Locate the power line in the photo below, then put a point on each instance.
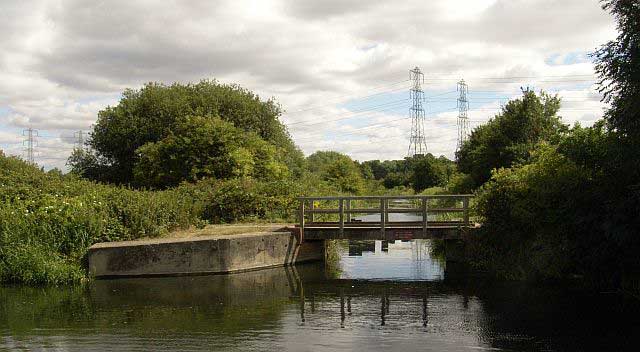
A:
(432, 98)
(449, 109)
(448, 76)
(356, 131)
(351, 96)
(360, 114)
(386, 123)
(368, 109)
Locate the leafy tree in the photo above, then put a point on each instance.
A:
(148, 115)
(203, 147)
(419, 172)
(573, 209)
(460, 183)
(529, 217)
(619, 68)
(366, 171)
(381, 169)
(396, 179)
(510, 135)
(427, 171)
(337, 169)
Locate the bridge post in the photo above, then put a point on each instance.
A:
(383, 214)
(313, 206)
(386, 210)
(424, 216)
(465, 205)
(301, 216)
(341, 211)
(348, 205)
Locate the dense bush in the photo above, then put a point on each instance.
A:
(245, 199)
(509, 136)
(199, 148)
(572, 207)
(418, 172)
(156, 111)
(527, 215)
(570, 211)
(48, 221)
(338, 170)
(460, 183)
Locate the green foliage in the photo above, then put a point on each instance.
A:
(418, 172)
(460, 183)
(509, 136)
(573, 207)
(338, 170)
(48, 221)
(571, 211)
(200, 148)
(153, 113)
(246, 199)
(527, 212)
(427, 172)
(619, 68)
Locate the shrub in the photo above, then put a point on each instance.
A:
(528, 213)
(48, 221)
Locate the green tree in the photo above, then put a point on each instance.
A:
(573, 208)
(206, 147)
(148, 115)
(531, 218)
(419, 172)
(338, 170)
(427, 171)
(618, 65)
(510, 135)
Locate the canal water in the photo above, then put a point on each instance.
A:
(376, 297)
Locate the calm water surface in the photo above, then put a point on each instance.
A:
(393, 297)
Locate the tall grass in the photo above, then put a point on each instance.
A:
(48, 221)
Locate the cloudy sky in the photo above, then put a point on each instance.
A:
(339, 68)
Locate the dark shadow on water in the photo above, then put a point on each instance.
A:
(305, 308)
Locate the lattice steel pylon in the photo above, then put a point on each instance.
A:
(463, 118)
(79, 144)
(417, 140)
(30, 142)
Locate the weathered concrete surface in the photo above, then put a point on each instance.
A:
(201, 255)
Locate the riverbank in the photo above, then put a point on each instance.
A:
(48, 220)
(202, 252)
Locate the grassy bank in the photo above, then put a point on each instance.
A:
(49, 220)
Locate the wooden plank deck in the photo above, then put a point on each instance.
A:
(393, 231)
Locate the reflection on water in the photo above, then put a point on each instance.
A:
(390, 260)
(404, 301)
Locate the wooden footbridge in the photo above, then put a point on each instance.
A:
(385, 217)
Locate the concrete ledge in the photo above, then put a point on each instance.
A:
(200, 255)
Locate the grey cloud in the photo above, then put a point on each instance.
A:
(326, 9)
(61, 59)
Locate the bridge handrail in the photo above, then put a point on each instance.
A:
(344, 209)
(433, 196)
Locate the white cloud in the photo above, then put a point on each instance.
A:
(63, 61)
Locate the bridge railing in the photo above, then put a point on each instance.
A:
(339, 210)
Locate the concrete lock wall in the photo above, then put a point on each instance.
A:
(201, 255)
